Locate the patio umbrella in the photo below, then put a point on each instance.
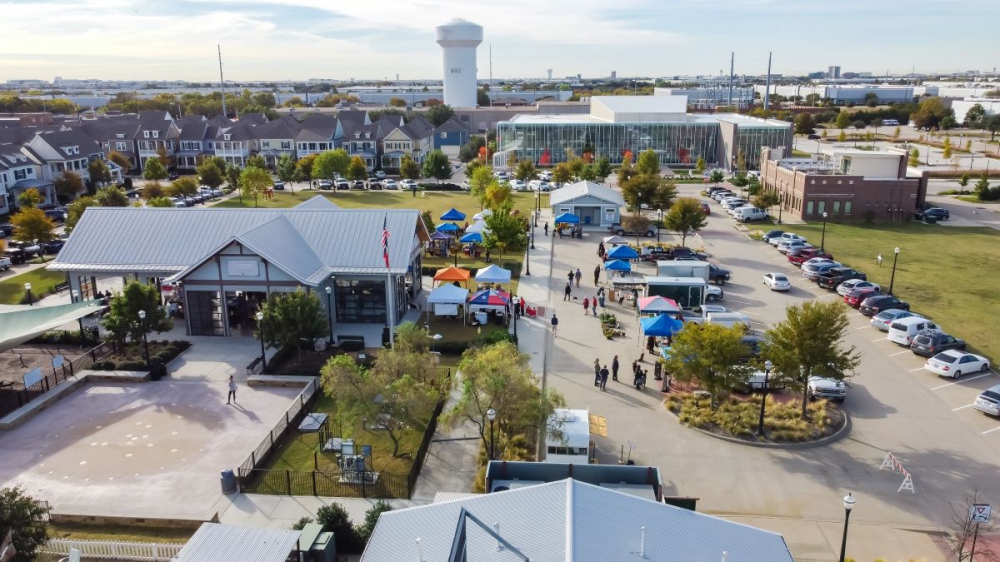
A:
(660, 325)
(472, 238)
(618, 265)
(567, 218)
(658, 304)
(453, 215)
(447, 227)
(623, 253)
(615, 240)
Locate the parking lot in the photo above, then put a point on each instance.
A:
(895, 406)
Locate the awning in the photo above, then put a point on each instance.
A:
(453, 215)
(567, 218)
(623, 253)
(490, 297)
(438, 235)
(658, 304)
(21, 323)
(452, 274)
(472, 238)
(660, 325)
(448, 294)
(479, 227)
(493, 274)
(618, 265)
(615, 240)
(447, 227)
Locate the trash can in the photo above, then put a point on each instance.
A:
(228, 481)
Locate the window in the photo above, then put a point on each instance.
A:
(120, 146)
(836, 207)
(226, 136)
(20, 174)
(156, 134)
(822, 207)
(145, 134)
(286, 145)
(847, 207)
(809, 207)
(360, 301)
(444, 135)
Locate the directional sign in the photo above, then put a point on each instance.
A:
(980, 513)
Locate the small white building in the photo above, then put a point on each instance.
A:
(593, 203)
(572, 446)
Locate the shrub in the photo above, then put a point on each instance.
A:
(301, 523)
(496, 336)
(364, 531)
(334, 519)
(132, 366)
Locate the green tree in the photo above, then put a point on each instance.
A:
(111, 196)
(946, 153)
(365, 530)
(31, 224)
(182, 187)
(983, 188)
(285, 170)
(914, 159)
(155, 170)
(257, 161)
(963, 181)
(99, 173)
(75, 210)
(506, 230)
(25, 518)
(253, 181)
(589, 173)
(804, 124)
(408, 168)
(841, 136)
(498, 376)
(648, 163)
(438, 114)
(122, 319)
(232, 174)
(716, 177)
(975, 115)
(152, 190)
(810, 342)
(496, 195)
(330, 164)
(562, 174)
(765, 200)
(699, 165)
(930, 111)
(479, 181)
(437, 166)
(334, 519)
(357, 170)
(843, 120)
(685, 217)
(305, 165)
(210, 174)
(575, 166)
(525, 171)
(159, 202)
(896, 132)
(602, 168)
(712, 355)
(293, 319)
(991, 124)
(121, 161)
(648, 191)
(871, 99)
(30, 198)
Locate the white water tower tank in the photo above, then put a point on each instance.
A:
(459, 39)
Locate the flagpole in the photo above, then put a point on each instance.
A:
(390, 287)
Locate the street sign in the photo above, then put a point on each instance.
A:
(980, 513)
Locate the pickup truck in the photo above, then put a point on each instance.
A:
(838, 275)
(718, 275)
(679, 253)
(802, 256)
(620, 230)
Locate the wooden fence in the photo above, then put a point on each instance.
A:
(114, 550)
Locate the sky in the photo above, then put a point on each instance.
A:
(378, 39)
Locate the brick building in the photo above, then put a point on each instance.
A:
(846, 184)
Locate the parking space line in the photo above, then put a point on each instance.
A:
(898, 352)
(991, 430)
(917, 369)
(880, 339)
(962, 407)
(862, 327)
(962, 380)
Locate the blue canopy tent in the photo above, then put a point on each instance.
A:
(447, 227)
(623, 253)
(472, 238)
(618, 265)
(453, 215)
(660, 325)
(567, 218)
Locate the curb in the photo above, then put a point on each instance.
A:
(844, 430)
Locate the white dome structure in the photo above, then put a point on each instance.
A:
(459, 39)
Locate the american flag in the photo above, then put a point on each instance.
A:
(385, 240)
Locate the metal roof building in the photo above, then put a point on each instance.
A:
(214, 542)
(592, 203)
(566, 521)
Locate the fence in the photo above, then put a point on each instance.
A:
(12, 397)
(293, 416)
(114, 550)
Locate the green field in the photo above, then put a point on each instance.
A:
(42, 282)
(945, 273)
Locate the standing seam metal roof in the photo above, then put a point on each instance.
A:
(214, 542)
(572, 191)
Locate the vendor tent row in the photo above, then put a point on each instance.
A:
(446, 298)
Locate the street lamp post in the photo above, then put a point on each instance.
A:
(145, 342)
(27, 288)
(491, 415)
(527, 254)
(329, 311)
(76, 298)
(848, 506)
(895, 257)
(260, 324)
(822, 242)
(781, 204)
(763, 399)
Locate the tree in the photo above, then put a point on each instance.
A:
(25, 518)
(699, 165)
(914, 160)
(121, 160)
(257, 161)
(334, 519)
(498, 376)
(210, 174)
(496, 195)
(602, 168)
(992, 124)
(506, 230)
(291, 319)
(305, 165)
(408, 169)
(253, 181)
(685, 217)
(479, 181)
(841, 136)
(165, 159)
(159, 202)
(31, 224)
(365, 530)
(712, 355)
(946, 153)
(948, 122)
(810, 342)
(155, 170)
(871, 99)
(357, 170)
(285, 170)
(963, 181)
(437, 166)
(330, 164)
(843, 120)
(975, 115)
(804, 124)
(438, 114)
(716, 177)
(525, 171)
(561, 174)
(152, 190)
(122, 319)
(589, 173)
(30, 198)
(896, 132)
(930, 112)
(648, 191)
(99, 173)
(470, 150)
(648, 163)
(961, 539)
(183, 187)
(983, 188)
(765, 200)
(397, 102)
(232, 174)
(75, 210)
(626, 172)
(111, 196)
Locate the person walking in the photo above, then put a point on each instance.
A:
(555, 323)
(520, 306)
(614, 369)
(604, 378)
(569, 276)
(600, 250)
(597, 274)
(593, 305)
(232, 390)
(597, 372)
(578, 276)
(586, 305)
(600, 296)
(546, 229)
(568, 292)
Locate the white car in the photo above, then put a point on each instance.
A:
(714, 293)
(989, 401)
(538, 185)
(787, 247)
(777, 281)
(390, 184)
(818, 261)
(954, 363)
(786, 237)
(408, 184)
(830, 389)
(852, 284)
(545, 175)
(518, 185)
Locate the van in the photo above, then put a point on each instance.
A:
(903, 331)
(747, 214)
(890, 122)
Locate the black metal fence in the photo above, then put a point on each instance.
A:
(292, 418)
(16, 395)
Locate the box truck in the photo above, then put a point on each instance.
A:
(688, 292)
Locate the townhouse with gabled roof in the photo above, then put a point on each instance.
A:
(359, 136)
(318, 134)
(157, 131)
(115, 134)
(195, 142)
(400, 138)
(277, 139)
(235, 142)
(17, 173)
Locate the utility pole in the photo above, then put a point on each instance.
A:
(222, 81)
(767, 86)
(489, 93)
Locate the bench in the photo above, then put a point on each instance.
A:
(254, 367)
(351, 343)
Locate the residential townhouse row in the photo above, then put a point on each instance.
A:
(34, 157)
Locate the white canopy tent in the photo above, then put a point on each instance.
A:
(479, 227)
(446, 299)
(493, 274)
(482, 215)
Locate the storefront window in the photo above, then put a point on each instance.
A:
(360, 301)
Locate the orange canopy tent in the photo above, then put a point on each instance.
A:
(453, 274)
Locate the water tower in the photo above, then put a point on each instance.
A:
(459, 39)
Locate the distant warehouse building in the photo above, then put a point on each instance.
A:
(848, 185)
(627, 125)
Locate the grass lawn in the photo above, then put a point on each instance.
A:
(118, 533)
(42, 282)
(454, 330)
(945, 273)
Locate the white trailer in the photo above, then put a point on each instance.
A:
(683, 268)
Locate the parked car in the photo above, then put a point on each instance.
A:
(53, 246)
(786, 246)
(812, 271)
(752, 343)
(852, 284)
(518, 185)
(926, 344)
(15, 255)
(771, 234)
(374, 184)
(343, 184)
(325, 184)
(706, 208)
(358, 184)
(799, 257)
(545, 175)
(380, 174)
(390, 184)
(758, 380)
(279, 185)
(538, 185)
(714, 293)
(936, 213)
(884, 319)
(877, 303)
(680, 253)
(838, 275)
(6, 230)
(903, 331)
(408, 184)
(56, 216)
(718, 275)
(620, 230)
(172, 176)
(830, 389)
(953, 363)
(786, 236)
(854, 297)
(178, 202)
(777, 281)
(988, 401)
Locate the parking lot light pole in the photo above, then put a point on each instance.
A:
(27, 289)
(145, 342)
(329, 311)
(491, 415)
(822, 242)
(892, 279)
(763, 399)
(848, 506)
(260, 325)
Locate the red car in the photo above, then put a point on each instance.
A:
(706, 208)
(801, 256)
(855, 297)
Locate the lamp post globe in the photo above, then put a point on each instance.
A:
(822, 242)
(491, 415)
(145, 342)
(895, 258)
(27, 289)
